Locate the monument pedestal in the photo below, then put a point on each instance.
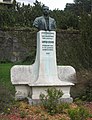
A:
(42, 89)
(32, 80)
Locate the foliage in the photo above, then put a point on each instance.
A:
(19, 15)
(23, 16)
(50, 101)
(85, 5)
(65, 19)
(6, 89)
(23, 114)
(78, 113)
(5, 76)
(79, 7)
(25, 111)
(29, 58)
(6, 101)
(87, 94)
(85, 26)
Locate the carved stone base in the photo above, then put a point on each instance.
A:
(22, 92)
(33, 93)
(36, 91)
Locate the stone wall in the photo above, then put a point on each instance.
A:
(16, 45)
(68, 45)
(20, 45)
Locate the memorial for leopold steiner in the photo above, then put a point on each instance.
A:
(32, 80)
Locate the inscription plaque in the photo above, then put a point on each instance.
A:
(48, 43)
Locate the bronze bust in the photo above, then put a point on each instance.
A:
(45, 22)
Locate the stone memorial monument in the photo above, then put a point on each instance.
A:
(32, 80)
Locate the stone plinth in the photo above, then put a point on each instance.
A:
(32, 80)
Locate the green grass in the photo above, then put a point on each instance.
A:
(5, 76)
(7, 90)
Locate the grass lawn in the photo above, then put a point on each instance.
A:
(6, 88)
(5, 76)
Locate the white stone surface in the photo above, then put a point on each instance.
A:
(45, 64)
(67, 73)
(21, 74)
(22, 91)
(38, 90)
(44, 72)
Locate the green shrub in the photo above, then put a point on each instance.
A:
(50, 101)
(6, 89)
(87, 92)
(23, 114)
(78, 114)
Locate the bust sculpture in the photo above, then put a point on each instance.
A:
(45, 22)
